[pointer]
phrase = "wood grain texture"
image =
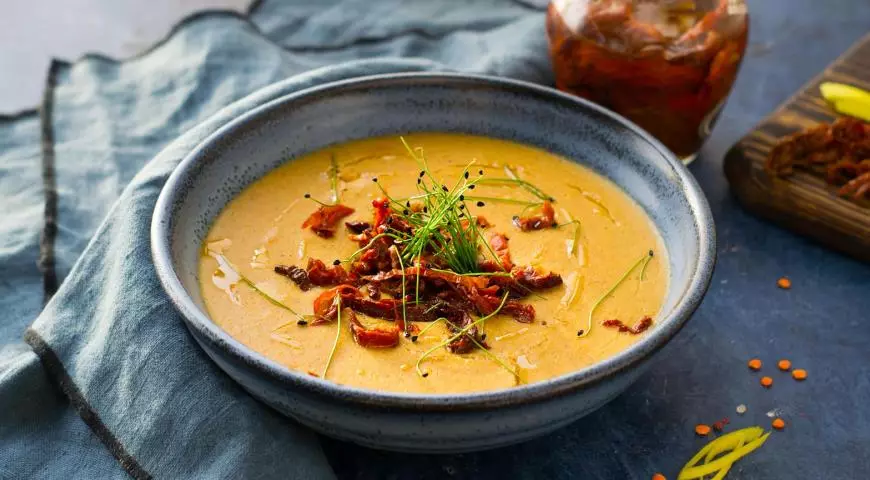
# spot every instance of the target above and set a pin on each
(804, 202)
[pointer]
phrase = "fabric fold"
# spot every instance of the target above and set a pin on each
(113, 342)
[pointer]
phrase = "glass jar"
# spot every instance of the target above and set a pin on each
(667, 65)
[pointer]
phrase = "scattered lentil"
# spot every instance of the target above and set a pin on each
(755, 364)
(778, 423)
(783, 283)
(702, 430)
(799, 374)
(784, 365)
(766, 382)
(658, 476)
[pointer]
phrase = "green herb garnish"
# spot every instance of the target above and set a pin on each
(337, 334)
(247, 281)
(459, 334)
(645, 259)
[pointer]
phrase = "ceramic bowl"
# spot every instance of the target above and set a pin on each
(288, 127)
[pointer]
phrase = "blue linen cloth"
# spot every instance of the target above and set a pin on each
(132, 383)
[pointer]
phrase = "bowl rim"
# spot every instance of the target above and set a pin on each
(198, 320)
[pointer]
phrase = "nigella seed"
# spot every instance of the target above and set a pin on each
(444, 188)
(461, 206)
(580, 332)
(461, 214)
(425, 209)
(651, 253)
(425, 374)
(413, 338)
(471, 187)
(336, 262)
(406, 212)
(480, 172)
(466, 174)
(408, 204)
(301, 323)
(462, 198)
(375, 179)
(481, 204)
(419, 181)
(307, 195)
(422, 173)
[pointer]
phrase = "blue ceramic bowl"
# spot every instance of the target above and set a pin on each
(288, 127)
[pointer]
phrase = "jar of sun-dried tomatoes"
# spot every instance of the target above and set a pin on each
(667, 65)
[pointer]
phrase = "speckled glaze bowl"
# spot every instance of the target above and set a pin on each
(277, 132)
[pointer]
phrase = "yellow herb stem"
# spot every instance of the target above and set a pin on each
(740, 443)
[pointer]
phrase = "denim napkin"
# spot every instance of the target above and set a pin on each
(110, 370)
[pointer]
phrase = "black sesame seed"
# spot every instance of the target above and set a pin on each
(422, 173)
(444, 188)
(461, 214)
(301, 323)
(408, 204)
(480, 172)
(307, 195)
(336, 262)
(425, 374)
(419, 181)
(466, 174)
(462, 198)
(651, 253)
(471, 187)
(480, 204)
(580, 332)
(375, 179)
(425, 209)
(461, 206)
(413, 338)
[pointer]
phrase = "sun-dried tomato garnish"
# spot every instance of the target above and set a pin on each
(323, 221)
(371, 337)
(641, 326)
(324, 276)
(499, 244)
(546, 219)
(357, 226)
(296, 274)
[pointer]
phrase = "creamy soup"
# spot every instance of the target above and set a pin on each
(595, 240)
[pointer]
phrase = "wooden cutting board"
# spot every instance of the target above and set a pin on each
(803, 202)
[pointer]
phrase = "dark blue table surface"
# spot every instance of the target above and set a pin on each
(821, 324)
